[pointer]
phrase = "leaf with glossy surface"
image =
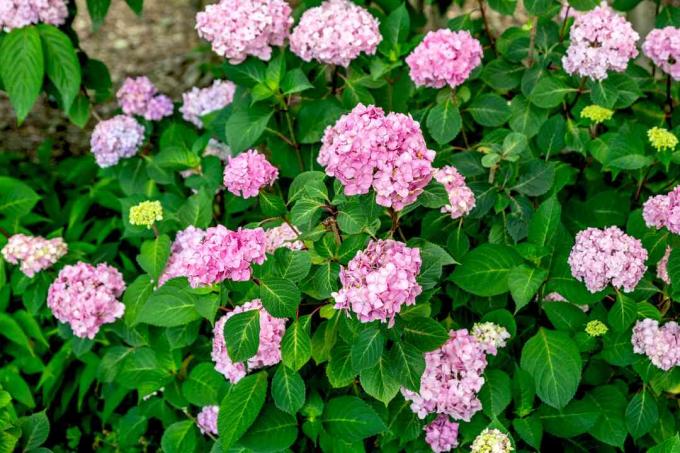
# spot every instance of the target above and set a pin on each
(242, 335)
(351, 419)
(240, 407)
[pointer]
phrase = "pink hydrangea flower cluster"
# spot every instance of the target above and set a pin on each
(116, 139)
(379, 280)
(663, 211)
(491, 336)
(662, 46)
(367, 148)
(461, 197)
(138, 96)
(35, 253)
(200, 101)
(600, 257)
(442, 434)
(662, 267)
(268, 352)
(335, 32)
(247, 173)
(444, 57)
(238, 28)
(660, 344)
(283, 235)
(453, 376)
(207, 420)
(601, 41)
(20, 13)
(86, 297)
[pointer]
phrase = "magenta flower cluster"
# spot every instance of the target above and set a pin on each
(247, 173)
(20, 13)
(444, 57)
(138, 96)
(283, 235)
(335, 33)
(33, 253)
(601, 41)
(662, 46)
(86, 297)
(239, 28)
(379, 280)
(600, 257)
(200, 101)
(442, 434)
(660, 344)
(663, 211)
(366, 148)
(207, 420)
(116, 139)
(461, 197)
(268, 352)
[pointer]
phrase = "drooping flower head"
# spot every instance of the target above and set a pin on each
(146, 213)
(662, 139)
(207, 420)
(662, 46)
(596, 114)
(662, 267)
(601, 41)
(33, 253)
(335, 32)
(116, 139)
(491, 441)
(239, 28)
(600, 257)
(444, 57)
(200, 101)
(283, 235)
(660, 344)
(442, 434)
(491, 336)
(247, 173)
(268, 352)
(461, 197)
(663, 211)
(86, 297)
(379, 280)
(20, 13)
(596, 328)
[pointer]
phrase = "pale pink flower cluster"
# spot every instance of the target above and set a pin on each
(660, 344)
(116, 139)
(557, 297)
(247, 173)
(444, 57)
(207, 419)
(366, 148)
(200, 101)
(601, 41)
(379, 280)
(662, 267)
(662, 46)
(213, 255)
(491, 336)
(138, 96)
(600, 257)
(239, 28)
(20, 13)
(268, 352)
(442, 434)
(461, 197)
(335, 32)
(663, 211)
(453, 376)
(86, 297)
(283, 235)
(35, 253)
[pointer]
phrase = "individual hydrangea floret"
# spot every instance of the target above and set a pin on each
(138, 96)
(491, 336)
(247, 173)
(596, 328)
(33, 253)
(600, 257)
(491, 441)
(116, 139)
(660, 344)
(199, 102)
(461, 197)
(268, 352)
(442, 434)
(86, 297)
(596, 114)
(335, 33)
(283, 235)
(239, 28)
(146, 213)
(662, 139)
(662, 46)
(663, 211)
(207, 420)
(444, 57)
(601, 41)
(557, 297)
(379, 280)
(662, 267)
(20, 13)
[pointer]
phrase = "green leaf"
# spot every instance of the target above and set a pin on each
(351, 419)
(63, 67)
(295, 81)
(623, 313)
(352, 218)
(272, 431)
(576, 418)
(536, 178)
(495, 395)
(544, 222)
(394, 30)
(565, 315)
(296, 344)
(642, 414)
(484, 270)
(673, 260)
(379, 382)
(180, 437)
(244, 127)
(196, 210)
(292, 265)
(288, 390)
(490, 110)
(530, 430)
(79, 113)
(240, 408)
(98, 10)
(408, 365)
(169, 306)
(272, 205)
(610, 427)
(524, 282)
(35, 429)
(177, 157)
(367, 348)
(242, 335)
(154, 254)
(444, 122)
(549, 92)
(136, 6)
(280, 297)
(11, 330)
(16, 198)
(204, 386)
(339, 371)
(426, 334)
(310, 185)
(22, 68)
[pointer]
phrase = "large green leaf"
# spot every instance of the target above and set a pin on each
(242, 335)
(425, 334)
(444, 122)
(244, 127)
(272, 431)
(180, 437)
(642, 414)
(351, 419)
(240, 407)
(296, 344)
(484, 270)
(367, 348)
(379, 381)
(154, 254)
(280, 297)
(490, 110)
(288, 390)
(22, 69)
(63, 68)
(524, 281)
(169, 306)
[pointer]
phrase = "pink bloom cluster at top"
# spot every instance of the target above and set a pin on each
(268, 352)
(138, 96)
(453, 376)
(20, 13)
(207, 420)
(662, 46)
(663, 211)
(34, 252)
(366, 148)
(379, 280)
(213, 255)
(461, 197)
(600, 257)
(238, 28)
(662, 267)
(442, 434)
(444, 57)
(282, 236)
(335, 32)
(247, 173)
(200, 101)
(86, 297)
(115, 139)
(660, 344)
(601, 41)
